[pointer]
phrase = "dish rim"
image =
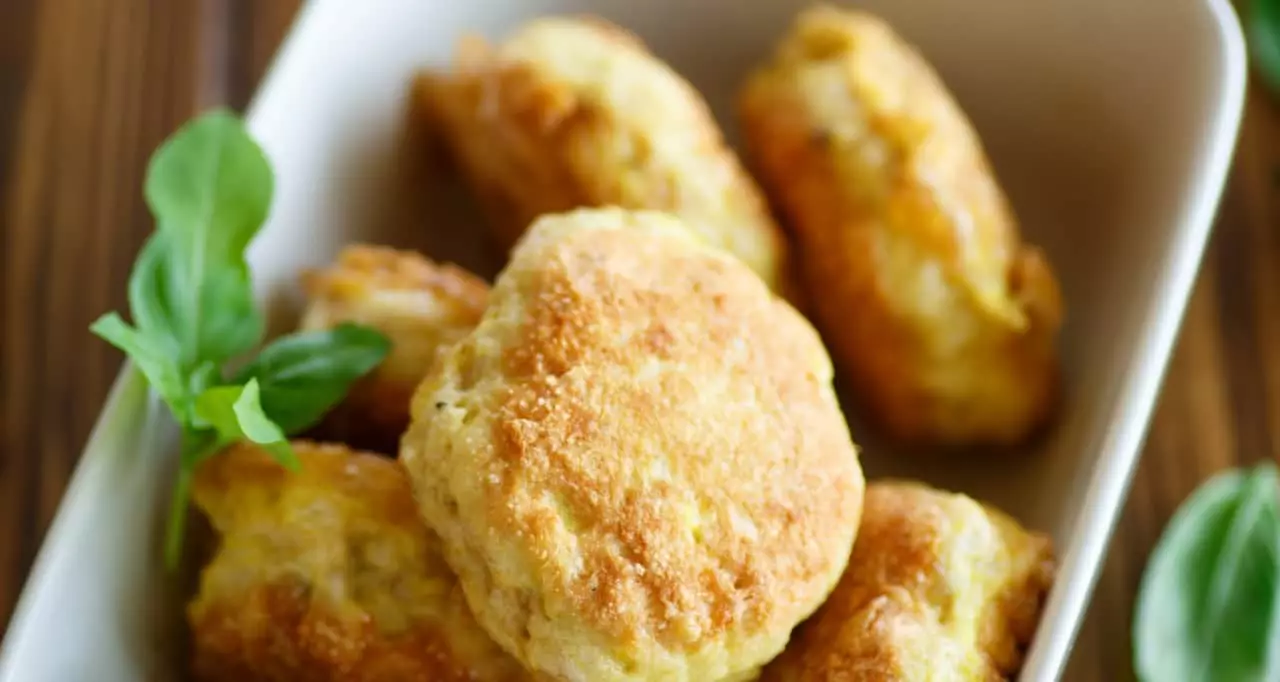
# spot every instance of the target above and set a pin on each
(1104, 499)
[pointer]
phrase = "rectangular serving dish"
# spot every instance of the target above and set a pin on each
(1110, 124)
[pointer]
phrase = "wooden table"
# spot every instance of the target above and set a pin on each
(89, 87)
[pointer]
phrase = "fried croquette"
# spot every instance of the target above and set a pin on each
(328, 574)
(943, 321)
(419, 305)
(636, 462)
(572, 112)
(939, 587)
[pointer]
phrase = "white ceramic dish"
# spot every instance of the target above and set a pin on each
(1111, 125)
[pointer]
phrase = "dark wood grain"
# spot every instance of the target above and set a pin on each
(89, 87)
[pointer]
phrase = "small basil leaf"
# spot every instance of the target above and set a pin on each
(210, 184)
(1264, 40)
(209, 187)
(232, 322)
(213, 410)
(236, 414)
(203, 376)
(150, 357)
(259, 428)
(305, 375)
(1207, 607)
(150, 294)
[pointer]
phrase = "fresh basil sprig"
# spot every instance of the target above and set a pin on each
(191, 299)
(1208, 605)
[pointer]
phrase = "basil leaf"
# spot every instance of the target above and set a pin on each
(209, 187)
(236, 413)
(305, 375)
(1264, 40)
(258, 427)
(232, 322)
(213, 410)
(149, 355)
(151, 294)
(1207, 608)
(202, 377)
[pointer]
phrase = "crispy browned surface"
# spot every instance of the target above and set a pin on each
(938, 588)
(636, 462)
(944, 321)
(328, 574)
(419, 304)
(571, 112)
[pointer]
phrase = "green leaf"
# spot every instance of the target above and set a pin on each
(204, 376)
(213, 409)
(1208, 605)
(232, 322)
(210, 184)
(149, 355)
(151, 294)
(209, 187)
(236, 413)
(305, 375)
(258, 427)
(1264, 40)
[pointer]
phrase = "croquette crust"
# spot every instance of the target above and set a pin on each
(575, 112)
(420, 305)
(939, 587)
(328, 574)
(944, 321)
(636, 462)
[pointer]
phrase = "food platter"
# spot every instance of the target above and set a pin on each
(1120, 200)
